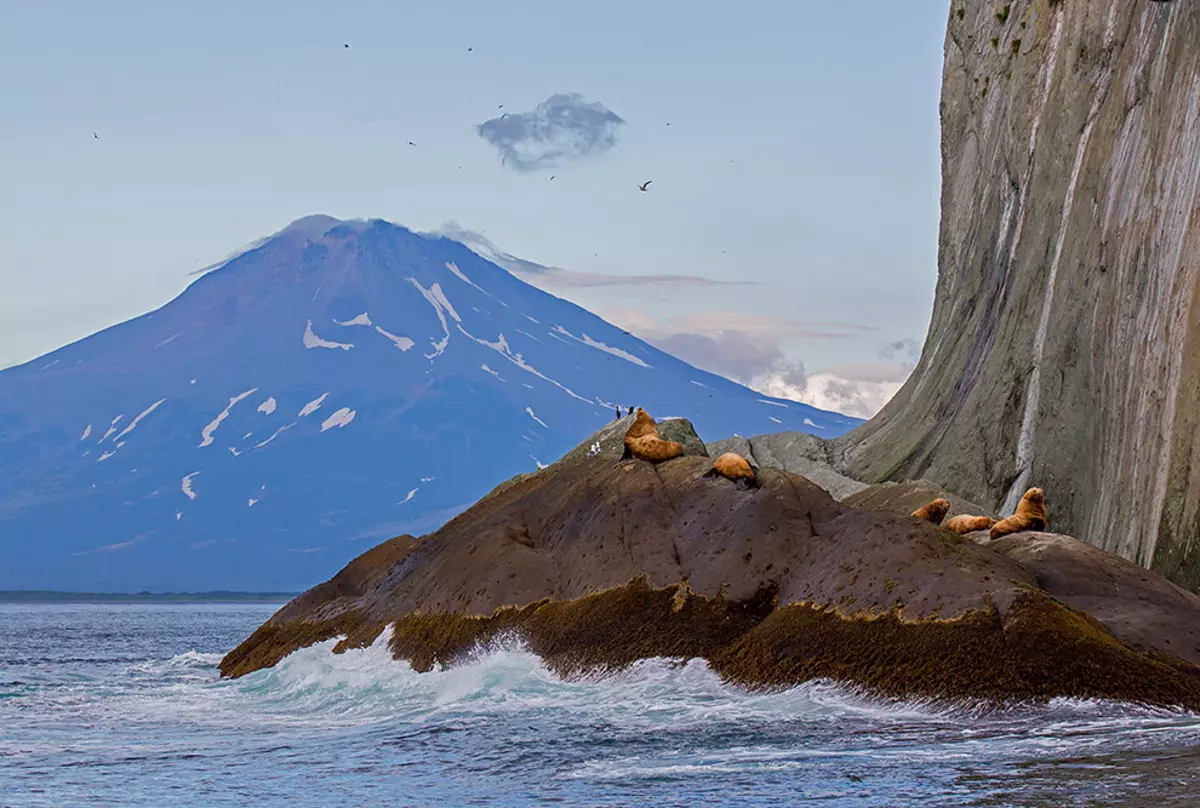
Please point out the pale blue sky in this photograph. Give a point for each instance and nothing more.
(219, 122)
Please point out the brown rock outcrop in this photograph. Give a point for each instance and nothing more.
(772, 588)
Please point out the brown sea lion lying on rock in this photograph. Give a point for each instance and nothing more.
(1030, 515)
(733, 466)
(933, 512)
(643, 443)
(965, 523)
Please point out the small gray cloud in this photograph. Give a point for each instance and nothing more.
(563, 127)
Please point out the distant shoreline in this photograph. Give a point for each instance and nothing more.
(45, 596)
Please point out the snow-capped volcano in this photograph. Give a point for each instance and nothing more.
(331, 386)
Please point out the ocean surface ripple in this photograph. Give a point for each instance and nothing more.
(121, 705)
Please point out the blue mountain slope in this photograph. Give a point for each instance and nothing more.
(340, 383)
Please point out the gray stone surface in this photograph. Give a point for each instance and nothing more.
(611, 439)
(1064, 346)
(906, 497)
(737, 444)
(797, 452)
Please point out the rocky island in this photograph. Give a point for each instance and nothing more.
(597, 562)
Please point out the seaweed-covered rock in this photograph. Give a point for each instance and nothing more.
(1139, 607)
(599, 562)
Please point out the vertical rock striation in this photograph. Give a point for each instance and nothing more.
(1064, 348)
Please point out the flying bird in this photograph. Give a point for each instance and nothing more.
(645, 185)
(411, 143)
(94, 135)
(345, 45)
(500, 107)
(552, 176)
(470, 49)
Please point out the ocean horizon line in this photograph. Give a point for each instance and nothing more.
(214, 596)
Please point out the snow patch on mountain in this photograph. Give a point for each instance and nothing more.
(275, 435)
(453, 267)
(529, 411)
(500, 346)
(87, 431)
(439, 347)
(314, 405)
(362, 319)
(133, 424)
(111, 428)
(206, 434)
(403, 343)
(628, 357)
(186, 485)
(339, 419)
(268, 406)
(311, 340)
(600, 346)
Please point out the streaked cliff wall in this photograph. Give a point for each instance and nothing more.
(1064, 348)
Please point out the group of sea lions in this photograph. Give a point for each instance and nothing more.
(1030, 515)
(643, 443)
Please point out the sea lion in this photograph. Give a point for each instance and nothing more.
(1030, 515)
(933, 512)
(642, 425)
(733, 466)
(965, 523)
(643, 443)
(653, 448)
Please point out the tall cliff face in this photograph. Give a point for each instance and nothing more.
(1064, 348)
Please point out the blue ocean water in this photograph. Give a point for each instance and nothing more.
(120, 705)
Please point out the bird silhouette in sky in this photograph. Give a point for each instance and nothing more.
(95, 136)
(552, 176)
(411, 143)
(345, 45)
(470, 49)
(645, 185)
